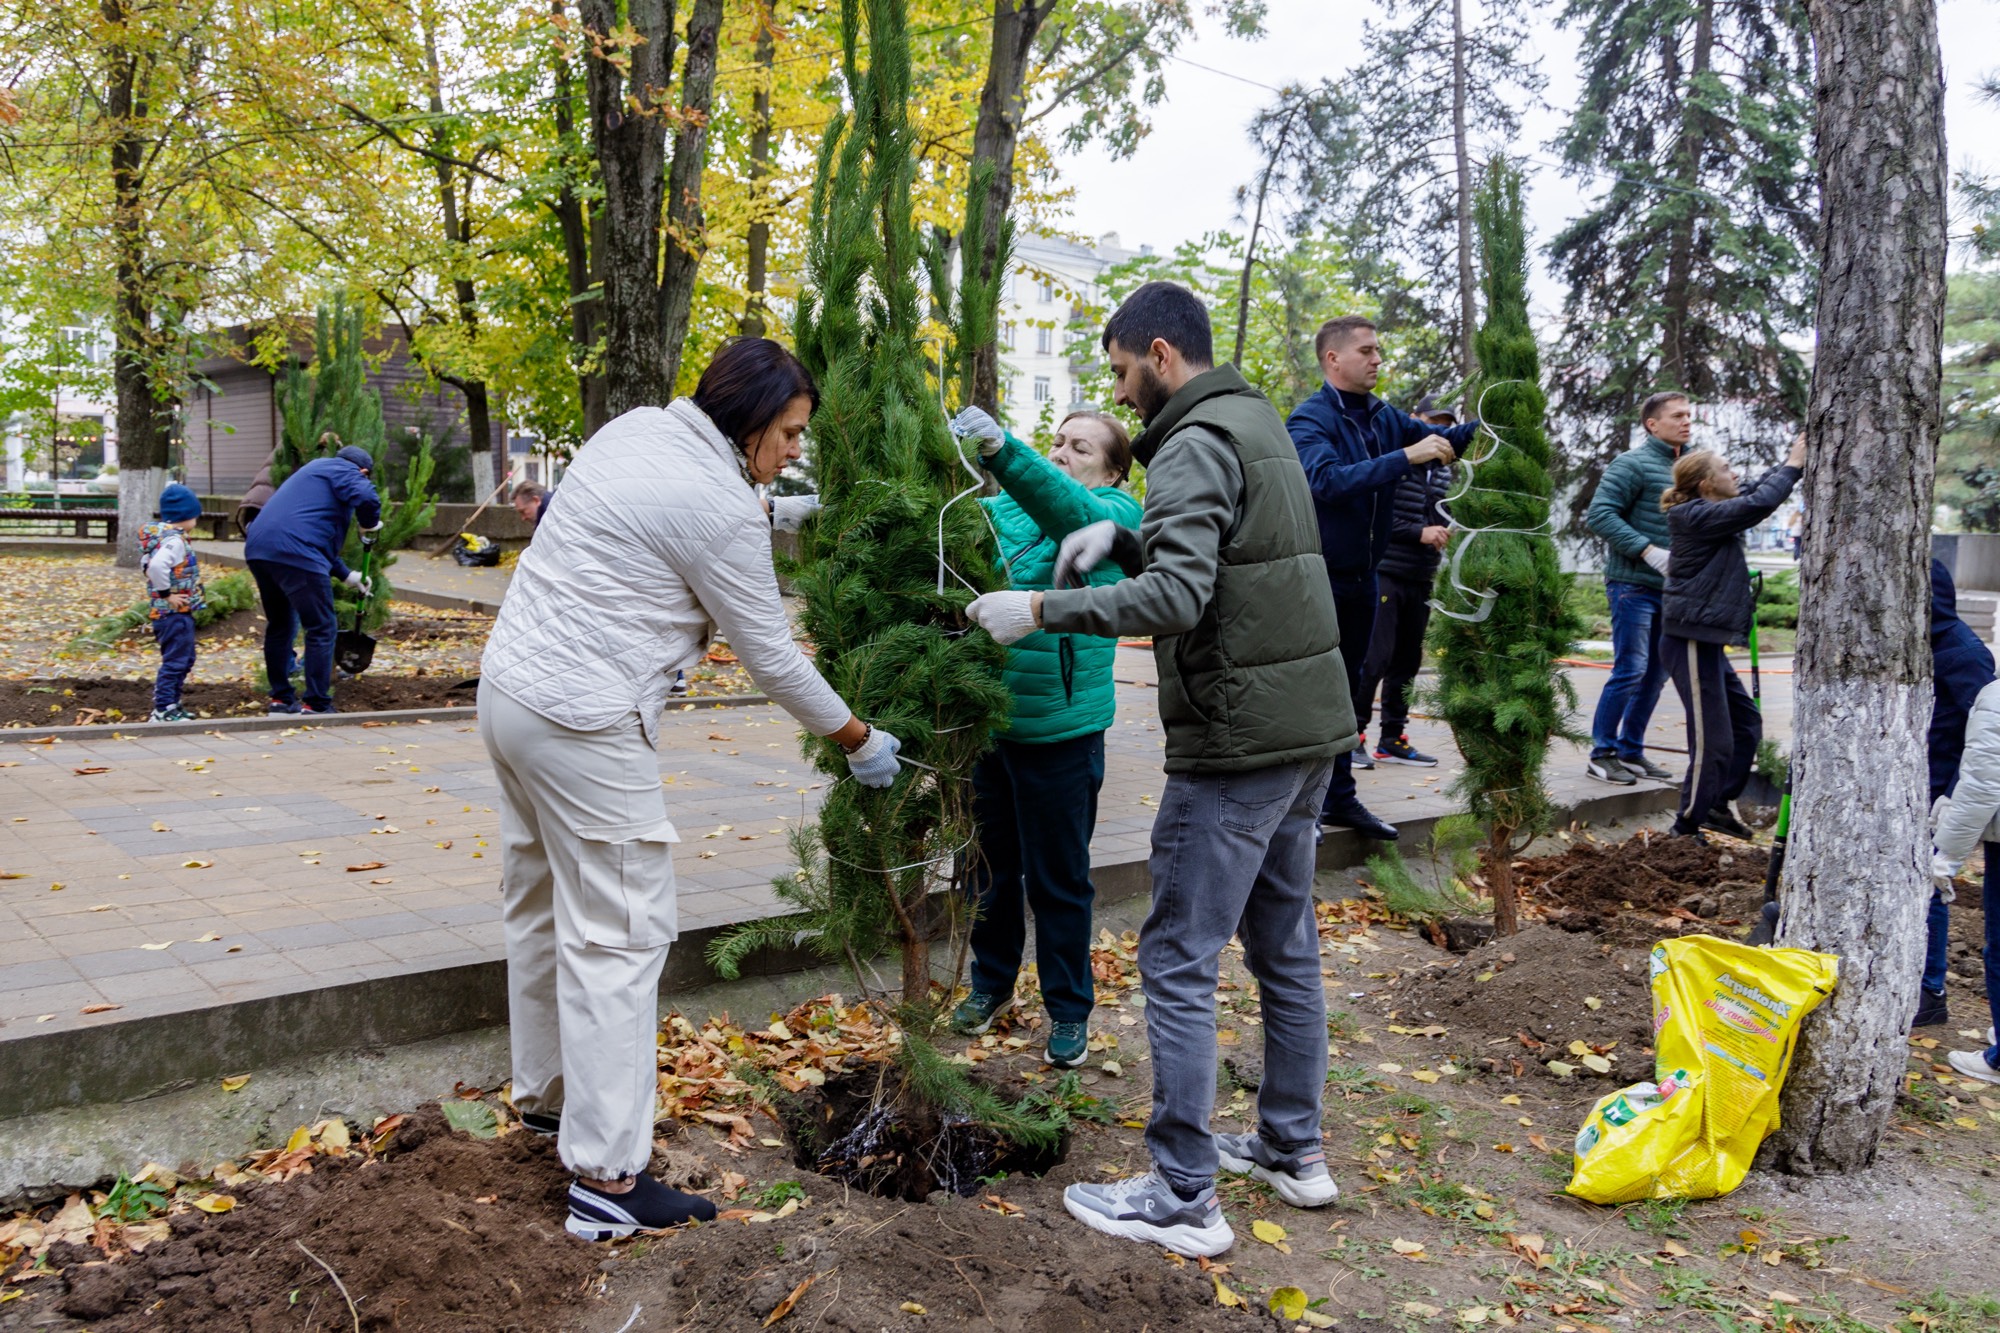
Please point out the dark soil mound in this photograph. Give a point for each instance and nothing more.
(1589, 883)
(1537, 983)
(445, 1232)
(965, 1263)
(26, 702)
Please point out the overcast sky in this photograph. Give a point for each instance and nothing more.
(1182, 180)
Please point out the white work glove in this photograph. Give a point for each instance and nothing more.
(1656, 556)
(1007, 616)
(1943, 875)
(366, 587)
(790, 512)
(1082, 551)
(975, 424)
(874, 764)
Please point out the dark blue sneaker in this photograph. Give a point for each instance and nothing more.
(978, 1012)
(1398, 750)
(1146, 1209)
(281, 706)
(647, 1206)
(1068, 1044)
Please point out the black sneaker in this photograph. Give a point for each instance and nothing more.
(1646, 768)
(1932, 1011)
(1608, 768)
(1723, 820)
(647, 1206)
(311, 711)
(281, 706)
(1400, 751)
(1362, 759)
(548, 1126)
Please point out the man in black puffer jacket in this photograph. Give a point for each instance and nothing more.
(1708, 606)
(1403, 582)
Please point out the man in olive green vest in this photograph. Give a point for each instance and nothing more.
(1228, 581)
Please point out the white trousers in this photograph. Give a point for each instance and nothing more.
(587, 882)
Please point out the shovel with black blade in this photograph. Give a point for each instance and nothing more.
(354, 649)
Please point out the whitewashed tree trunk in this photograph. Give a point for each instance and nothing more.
(1857, 880)
(138, 497)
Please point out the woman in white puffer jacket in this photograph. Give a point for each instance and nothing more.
(1965, 819)
(658, 535)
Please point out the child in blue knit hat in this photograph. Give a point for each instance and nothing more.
(173, 582)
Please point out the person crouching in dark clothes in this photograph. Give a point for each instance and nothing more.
(1708, 606)
(1961, 666)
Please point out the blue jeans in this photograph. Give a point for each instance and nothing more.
(302, 597)
(1036, 806)
(1233, 856)
(1625, 709)
(174, 632)
(1937, 936)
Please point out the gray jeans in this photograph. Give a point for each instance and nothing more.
(1233, 854)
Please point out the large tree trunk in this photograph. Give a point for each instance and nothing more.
(1677, 367)
(573, 218)
(756, 261)
(145, 420)
(1857, 879)
(684, 243)
(1468, 302)
(995, 136)
(456, 214)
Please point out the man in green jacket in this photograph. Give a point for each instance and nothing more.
(1626, 512)
(1229, 582)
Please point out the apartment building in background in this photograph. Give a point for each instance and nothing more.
(1052, 283)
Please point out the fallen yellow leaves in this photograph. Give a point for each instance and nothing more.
(236, 1083)
(1271, 1234)
(215, 1203)
(1224, 1294)
(1409, 1249)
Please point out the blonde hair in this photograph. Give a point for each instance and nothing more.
(1690, 471)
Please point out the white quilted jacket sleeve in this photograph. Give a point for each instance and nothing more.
(737, 586)
(1966, 817)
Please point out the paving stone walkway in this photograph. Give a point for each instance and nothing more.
(162, 873)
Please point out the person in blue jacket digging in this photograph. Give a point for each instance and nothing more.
(293, 550)
(1035, 792)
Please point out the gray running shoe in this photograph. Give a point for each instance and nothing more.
(1608, 768)
(1301, 1178)
(1646, 768)
(1146, 1209)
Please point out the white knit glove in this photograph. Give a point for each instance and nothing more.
(1007, 616)
(874, 764)
(975, 424)
(790, 512)
(1082, 551)
(1943, 876)
(1656, 556)
(364, 586)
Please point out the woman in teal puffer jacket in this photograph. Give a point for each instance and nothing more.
(1035, 794)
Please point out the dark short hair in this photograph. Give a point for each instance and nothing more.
(530, 490)
(1166, 311)
(1657, 403)
(1339, 329)
(1119, 453)
(748, 384)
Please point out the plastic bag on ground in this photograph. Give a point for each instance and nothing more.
(1725, 1022)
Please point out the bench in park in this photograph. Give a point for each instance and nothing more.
(214, 525)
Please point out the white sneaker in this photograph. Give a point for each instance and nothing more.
(1300, 1179)
(1146, 1209)
(1973, 1065)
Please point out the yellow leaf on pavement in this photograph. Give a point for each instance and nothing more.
(196, 865)
(236, 1083)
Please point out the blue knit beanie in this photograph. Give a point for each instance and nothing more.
(358, 456)
(178, 504)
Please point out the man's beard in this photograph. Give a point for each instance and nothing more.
(1151, 395)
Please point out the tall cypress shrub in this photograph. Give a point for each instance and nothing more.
(886, 620)
(1506, 616)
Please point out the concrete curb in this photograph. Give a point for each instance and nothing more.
(287, 721)
(143, 1057)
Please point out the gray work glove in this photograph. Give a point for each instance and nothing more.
(975, 424)
(1008, 616)
(790, 512)
(874, 763)
(1944, 876)
(364, 586)
(1088, 547)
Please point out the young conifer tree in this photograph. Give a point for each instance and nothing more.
(1499, 687)
(329, 404)
(886, 570)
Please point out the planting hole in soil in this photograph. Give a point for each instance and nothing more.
(872, 1132)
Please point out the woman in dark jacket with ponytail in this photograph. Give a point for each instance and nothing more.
(1708, 606)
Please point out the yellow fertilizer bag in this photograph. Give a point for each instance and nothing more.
(1725, 1021)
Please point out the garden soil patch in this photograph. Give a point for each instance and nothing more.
(82, 700)
(1591, 882)
(443, 1232)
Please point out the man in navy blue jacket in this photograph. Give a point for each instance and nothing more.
(293, 550)
(1961, 666)
(1355, 448)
